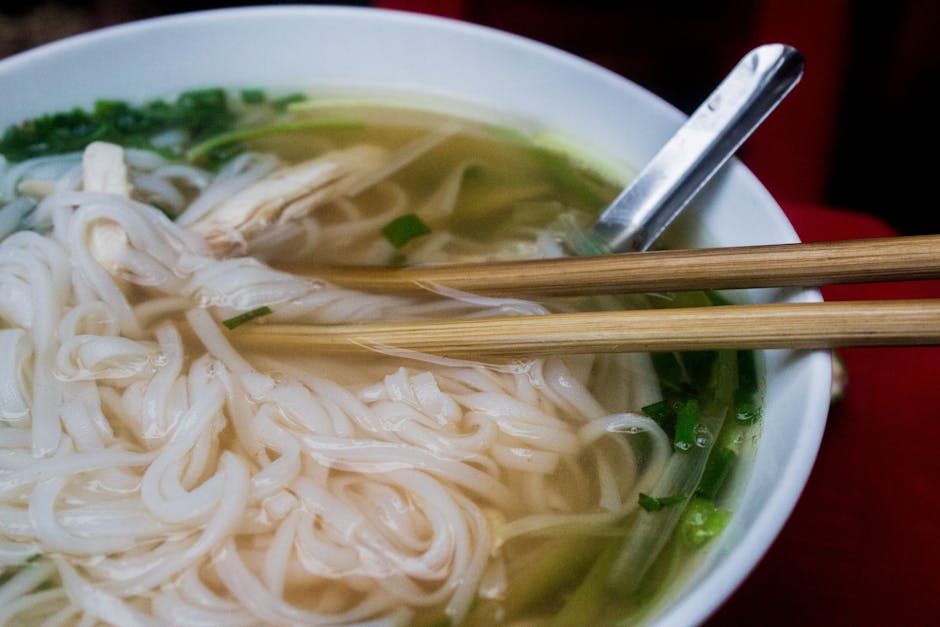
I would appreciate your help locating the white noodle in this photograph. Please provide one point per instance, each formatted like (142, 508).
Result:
(178, 481)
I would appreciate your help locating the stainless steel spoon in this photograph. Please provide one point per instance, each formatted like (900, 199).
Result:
(638, 216)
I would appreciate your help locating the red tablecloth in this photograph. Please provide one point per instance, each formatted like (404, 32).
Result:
(863, 544)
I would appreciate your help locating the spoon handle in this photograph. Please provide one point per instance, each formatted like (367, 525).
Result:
(700, 147)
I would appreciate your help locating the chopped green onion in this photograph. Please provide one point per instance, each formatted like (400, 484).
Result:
(701, 521)
(747, 409)
(654, 504)
(717, 469)
(668, 371)
(403, 229)
(698, 367)
(662, 412)
(284, 101)
(201, 150)
(248, 316)
(199, 114)
(252, 96)
(686, 421)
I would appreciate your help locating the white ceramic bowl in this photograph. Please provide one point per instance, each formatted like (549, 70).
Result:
(600, 113)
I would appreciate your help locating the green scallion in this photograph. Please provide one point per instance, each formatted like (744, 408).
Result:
(248, 316)
(654, 504)
(285, 101)
(252, 96)
(686, 421)
(669, 372)
(403, 229)
(701, 521)
(199, 114)
(717, 469)
(662, 412)
(747, 408)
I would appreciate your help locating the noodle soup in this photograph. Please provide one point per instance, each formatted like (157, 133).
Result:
(151, 470)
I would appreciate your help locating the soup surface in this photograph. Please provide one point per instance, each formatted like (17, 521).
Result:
(152, 470)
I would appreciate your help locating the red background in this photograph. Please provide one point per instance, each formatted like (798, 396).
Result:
(863, 544)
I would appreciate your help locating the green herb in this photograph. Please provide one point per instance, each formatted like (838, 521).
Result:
(646, 535)
(202, 150)
(48, 584)
(747, 409)
(248, 316)
(663, 413)
(199, 113)
(717, 469)
(686, 421)
(654, 504)
(252, 96)
(403, 229)
(669, 372)
(33, 558)
(698, 367)
(283, 102)
(701, 521)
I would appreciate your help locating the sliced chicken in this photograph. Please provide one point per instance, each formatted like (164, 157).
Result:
(285, 195)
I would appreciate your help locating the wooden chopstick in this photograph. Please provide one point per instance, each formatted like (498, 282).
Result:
(854, 261)
(789, 325)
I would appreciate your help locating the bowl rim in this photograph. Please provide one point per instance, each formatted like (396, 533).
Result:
(734, 567)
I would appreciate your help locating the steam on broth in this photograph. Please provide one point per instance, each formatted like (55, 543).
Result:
(150, 472)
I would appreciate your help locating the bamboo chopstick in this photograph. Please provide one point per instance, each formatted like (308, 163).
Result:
(792, 325)
(869, 260)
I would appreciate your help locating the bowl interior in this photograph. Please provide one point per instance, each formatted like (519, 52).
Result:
(603, 117)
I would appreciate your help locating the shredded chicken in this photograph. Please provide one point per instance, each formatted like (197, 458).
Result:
(285, 195)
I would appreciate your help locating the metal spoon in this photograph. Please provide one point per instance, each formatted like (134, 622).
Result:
(638, 216)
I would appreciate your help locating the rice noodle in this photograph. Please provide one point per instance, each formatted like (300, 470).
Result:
(175, 480)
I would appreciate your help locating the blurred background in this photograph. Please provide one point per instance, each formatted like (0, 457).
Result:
(858, 133)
